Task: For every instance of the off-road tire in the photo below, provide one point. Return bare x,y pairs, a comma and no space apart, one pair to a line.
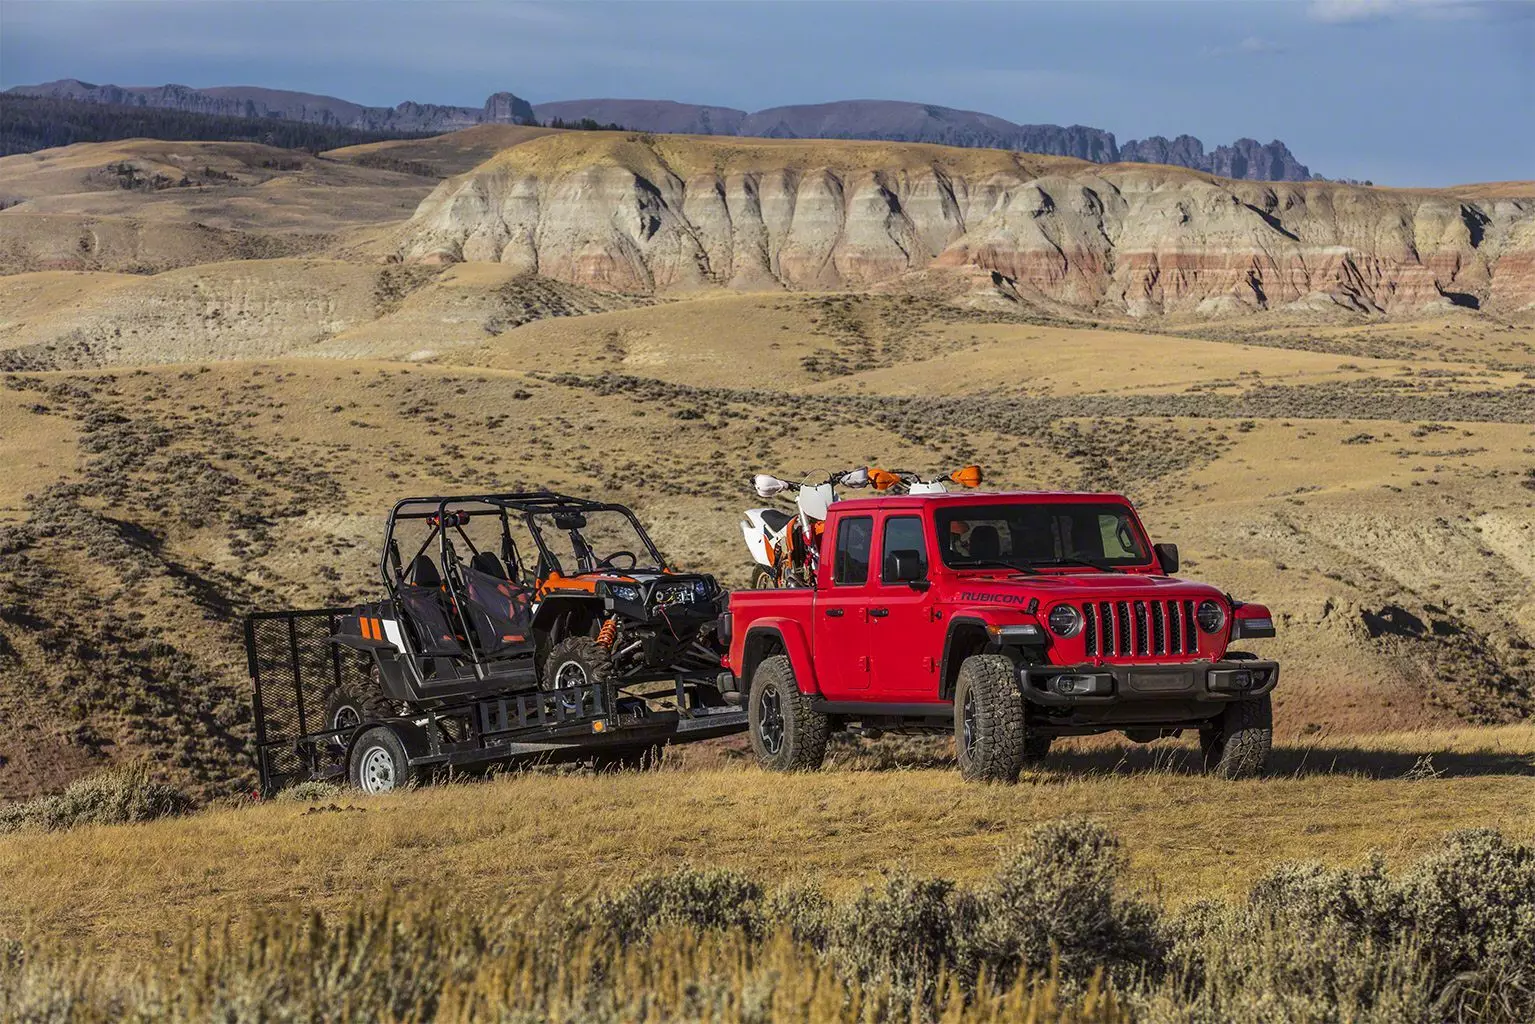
378,763
763,578
786,734
1236,743
357,701
992,744
594,661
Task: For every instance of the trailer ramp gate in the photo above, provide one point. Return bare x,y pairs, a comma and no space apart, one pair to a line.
294,668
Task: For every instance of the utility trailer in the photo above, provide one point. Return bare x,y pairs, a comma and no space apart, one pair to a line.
297,666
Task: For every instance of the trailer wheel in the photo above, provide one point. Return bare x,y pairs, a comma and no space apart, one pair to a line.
379,763
787,735
1236,743
989,733
576,661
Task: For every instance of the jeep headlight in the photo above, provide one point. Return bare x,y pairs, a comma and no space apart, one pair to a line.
1065,620
624,592
1211,616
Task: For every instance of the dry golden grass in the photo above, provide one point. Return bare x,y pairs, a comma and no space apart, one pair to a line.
514,840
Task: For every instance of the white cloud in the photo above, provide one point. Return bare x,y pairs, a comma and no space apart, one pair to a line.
1250,45
1342,12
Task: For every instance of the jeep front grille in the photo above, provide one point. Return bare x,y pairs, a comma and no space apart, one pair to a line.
1125,629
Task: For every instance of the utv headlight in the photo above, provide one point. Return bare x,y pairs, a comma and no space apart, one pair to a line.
1211,616
700,589
624,592
1065,620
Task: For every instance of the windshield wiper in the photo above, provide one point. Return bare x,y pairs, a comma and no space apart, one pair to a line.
1088,562
978,563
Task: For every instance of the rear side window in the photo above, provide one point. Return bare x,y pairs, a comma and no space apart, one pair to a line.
854,537
903,533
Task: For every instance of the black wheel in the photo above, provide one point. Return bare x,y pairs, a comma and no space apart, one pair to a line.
1236,743
786,734
630,759
379,763
576,661
357,701
763,578
989,733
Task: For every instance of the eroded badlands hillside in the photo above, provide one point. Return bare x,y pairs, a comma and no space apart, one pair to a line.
647,213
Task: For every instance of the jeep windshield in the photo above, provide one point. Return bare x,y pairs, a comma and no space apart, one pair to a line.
1028,535
593,540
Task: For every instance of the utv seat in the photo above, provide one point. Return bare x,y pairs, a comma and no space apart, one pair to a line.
423,600
497,606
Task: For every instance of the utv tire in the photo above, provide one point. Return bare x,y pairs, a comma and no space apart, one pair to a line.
357,701
786,734
989,734
1236,743
379,763
576,661
763,578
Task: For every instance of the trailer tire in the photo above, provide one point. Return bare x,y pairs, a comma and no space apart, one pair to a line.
379,763
1236,743
582,661
787,734
989,729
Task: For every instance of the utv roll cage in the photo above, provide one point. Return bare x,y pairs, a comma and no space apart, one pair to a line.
445,514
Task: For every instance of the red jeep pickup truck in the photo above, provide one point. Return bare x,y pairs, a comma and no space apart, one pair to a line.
1009,618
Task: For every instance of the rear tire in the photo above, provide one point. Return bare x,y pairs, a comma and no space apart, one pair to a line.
379,763
989,730
763,578
1236,743
786,734
357,701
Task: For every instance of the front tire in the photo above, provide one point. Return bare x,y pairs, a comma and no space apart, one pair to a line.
989,730
576,661
379,763
1236,743
786,734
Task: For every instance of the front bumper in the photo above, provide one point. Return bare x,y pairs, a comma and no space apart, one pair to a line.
1070,686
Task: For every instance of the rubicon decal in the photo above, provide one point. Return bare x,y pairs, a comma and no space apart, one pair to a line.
975,595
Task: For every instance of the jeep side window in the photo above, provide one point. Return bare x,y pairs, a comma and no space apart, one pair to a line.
855,535
902,534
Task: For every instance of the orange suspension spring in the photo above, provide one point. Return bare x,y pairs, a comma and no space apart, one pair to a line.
608,633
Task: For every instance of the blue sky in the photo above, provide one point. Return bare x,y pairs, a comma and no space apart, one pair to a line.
1404,92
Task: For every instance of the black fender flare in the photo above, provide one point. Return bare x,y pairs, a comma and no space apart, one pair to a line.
958,638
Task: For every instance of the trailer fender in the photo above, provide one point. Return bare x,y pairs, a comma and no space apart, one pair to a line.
412,737
773,636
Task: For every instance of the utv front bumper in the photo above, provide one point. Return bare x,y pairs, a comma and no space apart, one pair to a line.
1064,686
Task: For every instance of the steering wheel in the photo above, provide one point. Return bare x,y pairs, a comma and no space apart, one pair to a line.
607,563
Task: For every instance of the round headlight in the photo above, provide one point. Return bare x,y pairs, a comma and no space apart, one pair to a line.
1065,620
1211,616
625,592
700,588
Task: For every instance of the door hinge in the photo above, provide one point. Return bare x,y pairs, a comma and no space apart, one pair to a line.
934,614
863,662
930,663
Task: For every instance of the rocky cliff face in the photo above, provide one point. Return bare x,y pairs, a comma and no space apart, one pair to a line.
649,213
1245,158
246,101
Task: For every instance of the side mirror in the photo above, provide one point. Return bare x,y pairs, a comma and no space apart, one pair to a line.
904,567
1167,554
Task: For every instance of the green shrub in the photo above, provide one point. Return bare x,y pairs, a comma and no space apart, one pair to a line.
115,796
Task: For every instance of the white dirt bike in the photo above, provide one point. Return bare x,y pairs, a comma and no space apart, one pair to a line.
785,547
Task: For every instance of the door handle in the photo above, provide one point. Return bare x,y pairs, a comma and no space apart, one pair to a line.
879,613
834,613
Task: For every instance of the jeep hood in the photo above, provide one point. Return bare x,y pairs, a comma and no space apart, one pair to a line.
1088,586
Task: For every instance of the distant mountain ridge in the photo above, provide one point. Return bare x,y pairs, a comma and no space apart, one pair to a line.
252,101
885,120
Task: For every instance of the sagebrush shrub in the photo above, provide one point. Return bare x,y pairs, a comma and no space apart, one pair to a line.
115,796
